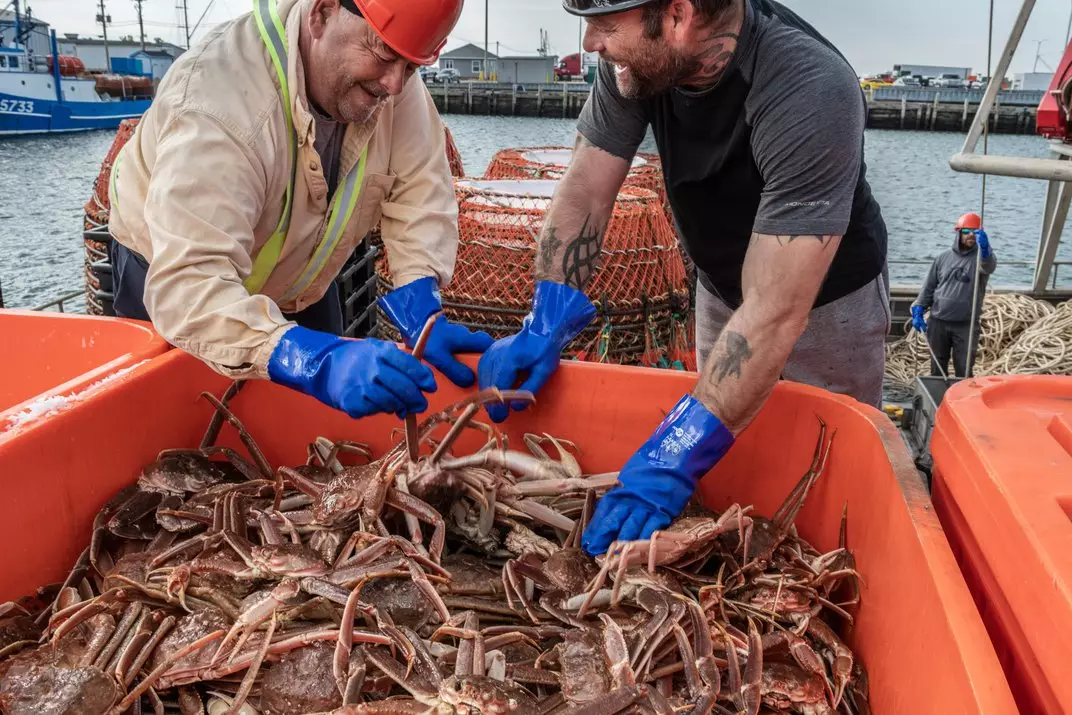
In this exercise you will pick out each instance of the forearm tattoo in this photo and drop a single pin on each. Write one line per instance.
(581, 257)
(737, 353)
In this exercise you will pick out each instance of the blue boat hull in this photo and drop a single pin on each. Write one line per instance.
(19, 115)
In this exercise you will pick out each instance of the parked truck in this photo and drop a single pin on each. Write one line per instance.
(577, 67)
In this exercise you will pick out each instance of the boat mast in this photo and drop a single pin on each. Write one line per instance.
(18, 24)
(57, 77)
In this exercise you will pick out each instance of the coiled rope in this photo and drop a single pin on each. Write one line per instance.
(1018, 335)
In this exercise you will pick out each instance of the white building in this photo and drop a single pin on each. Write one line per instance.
(1032, 80)
(154, 62)
(91, 52)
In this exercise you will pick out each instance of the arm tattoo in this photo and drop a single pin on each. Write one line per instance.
(546, 251)
(738, 352)
(582, 255)
(785, 240)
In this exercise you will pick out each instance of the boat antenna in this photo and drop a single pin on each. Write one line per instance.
(972, 347)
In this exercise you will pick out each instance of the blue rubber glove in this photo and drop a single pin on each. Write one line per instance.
(559, 314)
(917, 319)
(658, 481)
(409, 308)
(359, 377)
(984, 243)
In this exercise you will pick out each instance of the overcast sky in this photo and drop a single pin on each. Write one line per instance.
(873, 35)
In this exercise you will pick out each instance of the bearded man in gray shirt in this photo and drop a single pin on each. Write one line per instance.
(759, 123)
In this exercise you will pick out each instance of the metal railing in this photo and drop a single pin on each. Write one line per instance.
(1006, 98)
(1025, 264)
(58, 302)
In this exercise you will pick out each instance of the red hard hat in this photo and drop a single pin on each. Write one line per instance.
(970, 220)
(415, 29)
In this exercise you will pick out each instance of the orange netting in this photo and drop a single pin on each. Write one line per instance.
(640, 288)
(96, 216)
(453, 155)
(551, 162)
(97, 206)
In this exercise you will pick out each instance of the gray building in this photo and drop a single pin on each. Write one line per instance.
(527, 70)
(91, 52)
(468, 60)
(35, 33)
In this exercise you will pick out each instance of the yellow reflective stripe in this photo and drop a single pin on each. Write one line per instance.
(340, 216)
(112, 173)
(274, 37)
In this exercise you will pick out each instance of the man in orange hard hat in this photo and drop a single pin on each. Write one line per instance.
(948, 293)
(270, 151)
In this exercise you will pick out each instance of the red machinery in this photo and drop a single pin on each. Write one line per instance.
(70, 66)
(1053, 113)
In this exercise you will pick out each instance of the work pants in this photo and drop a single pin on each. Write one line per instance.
(947, 337)
(128, 281)
(843, 349)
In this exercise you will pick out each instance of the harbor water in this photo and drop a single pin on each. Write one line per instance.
(47, 180)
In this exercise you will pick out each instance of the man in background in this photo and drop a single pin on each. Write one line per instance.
(948, 293)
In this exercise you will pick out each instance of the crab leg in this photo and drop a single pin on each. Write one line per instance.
(346, 641)
(412, 505)
(256, 614)
(216, 423)
(412, 443)
(131, 615)
(251, 674)
(161, 632)
(135, 694)
(69, 618)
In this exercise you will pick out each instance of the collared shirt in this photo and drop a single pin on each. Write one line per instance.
(201, 185)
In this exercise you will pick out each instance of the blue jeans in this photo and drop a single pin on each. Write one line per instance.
(128, 281)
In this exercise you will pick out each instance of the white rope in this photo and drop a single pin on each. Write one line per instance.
(1018, 335)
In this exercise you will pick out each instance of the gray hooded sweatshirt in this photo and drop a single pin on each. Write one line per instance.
(947, 289)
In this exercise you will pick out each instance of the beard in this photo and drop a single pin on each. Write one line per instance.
(653, 70)
(358, 101)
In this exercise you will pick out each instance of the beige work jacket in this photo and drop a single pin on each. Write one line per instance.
(200, 187)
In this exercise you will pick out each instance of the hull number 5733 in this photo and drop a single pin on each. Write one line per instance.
(16, 106)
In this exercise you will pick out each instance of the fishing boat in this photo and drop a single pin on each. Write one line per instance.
(54, 94)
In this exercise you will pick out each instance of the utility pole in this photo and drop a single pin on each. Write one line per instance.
(485, 73)
(141, 26)
(186, 22)
(104, 18)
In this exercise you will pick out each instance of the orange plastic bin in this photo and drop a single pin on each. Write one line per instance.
(917, 631)
(1003, 490)
(51, 358)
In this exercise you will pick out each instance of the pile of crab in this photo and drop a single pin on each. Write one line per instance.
(426, 580)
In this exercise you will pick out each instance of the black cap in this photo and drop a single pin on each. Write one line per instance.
(588, 8)
(351, 6)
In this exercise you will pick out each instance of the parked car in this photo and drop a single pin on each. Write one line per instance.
(907, 82)
(448, 75)
(428, 74)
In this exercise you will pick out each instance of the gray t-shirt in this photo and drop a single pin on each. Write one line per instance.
(328, 145)
(776, 147)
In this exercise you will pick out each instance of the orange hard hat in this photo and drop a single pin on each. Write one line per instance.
(415, 29)
(970, 220)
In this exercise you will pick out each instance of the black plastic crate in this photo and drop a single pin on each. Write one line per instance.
(356, 284)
